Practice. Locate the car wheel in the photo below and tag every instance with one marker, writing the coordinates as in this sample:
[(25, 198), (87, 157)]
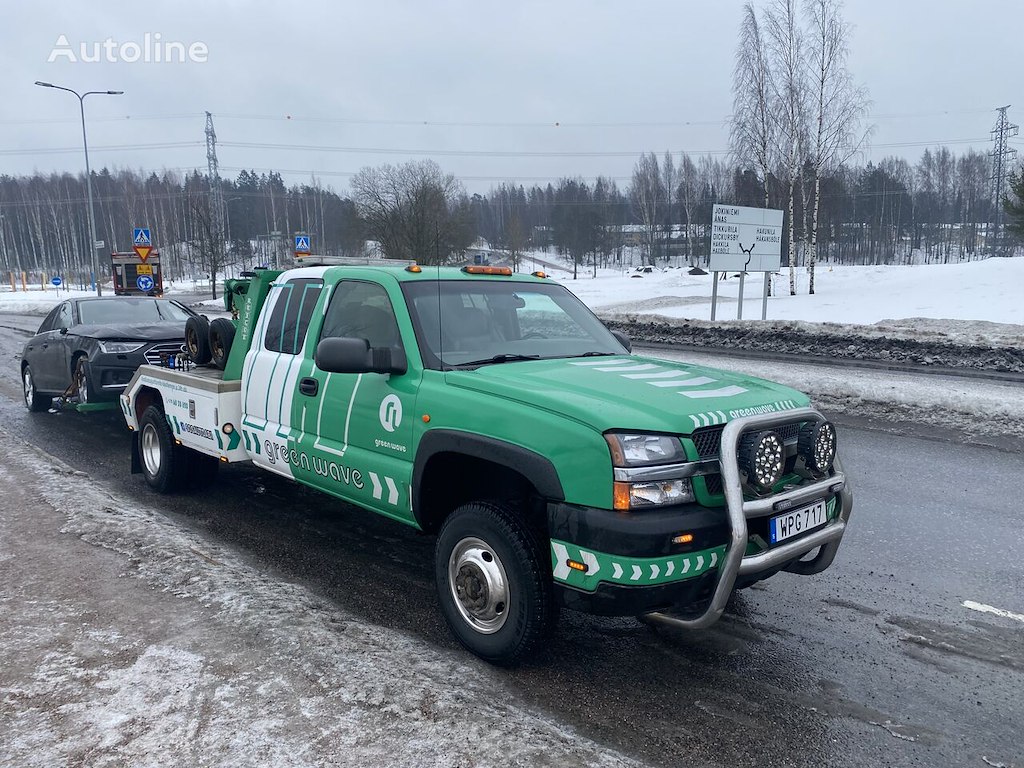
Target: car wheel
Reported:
[(494, 582), (34, 401), (164, 464), (83, 379), (197, 339), (222, 333)]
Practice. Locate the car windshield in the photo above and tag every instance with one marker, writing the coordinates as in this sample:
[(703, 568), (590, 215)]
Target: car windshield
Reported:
[(467, 323), (131, 311)]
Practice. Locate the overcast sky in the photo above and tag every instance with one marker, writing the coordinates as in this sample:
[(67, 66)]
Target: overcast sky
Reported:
[(591, 83)]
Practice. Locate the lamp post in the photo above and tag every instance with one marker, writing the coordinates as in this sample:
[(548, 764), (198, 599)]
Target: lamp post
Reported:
[(88, 172)]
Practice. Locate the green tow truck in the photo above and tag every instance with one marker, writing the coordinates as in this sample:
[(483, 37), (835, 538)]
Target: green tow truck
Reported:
[(496, 412)]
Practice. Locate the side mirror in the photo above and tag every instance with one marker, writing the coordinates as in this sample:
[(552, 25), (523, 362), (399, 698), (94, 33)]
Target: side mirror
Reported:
[(63, 331), (623, 339), (348, 354)]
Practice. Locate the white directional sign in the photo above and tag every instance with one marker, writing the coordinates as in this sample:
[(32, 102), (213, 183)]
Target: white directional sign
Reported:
[(748, 239)]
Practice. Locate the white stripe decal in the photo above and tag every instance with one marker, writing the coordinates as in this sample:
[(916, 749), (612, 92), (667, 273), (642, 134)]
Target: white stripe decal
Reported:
[(699, 381), (591, 560), (620, 368), (677, 382), (655, 570), (671, 567), (696, 421), (722, 416), (723, 392), (616, 570), (658, 375), (705, 420), (602, 362), (637, 573)]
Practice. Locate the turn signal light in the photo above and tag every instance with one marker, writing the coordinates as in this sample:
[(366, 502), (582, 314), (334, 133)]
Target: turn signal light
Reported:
[(539, 274), (414, 268), (683, 538), (576, 565), (620, 496)]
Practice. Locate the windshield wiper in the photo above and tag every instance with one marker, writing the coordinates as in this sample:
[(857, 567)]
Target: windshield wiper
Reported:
[(503, 358), (596, 354)]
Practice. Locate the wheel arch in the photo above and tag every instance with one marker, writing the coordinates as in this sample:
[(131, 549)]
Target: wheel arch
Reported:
[(453, 467)]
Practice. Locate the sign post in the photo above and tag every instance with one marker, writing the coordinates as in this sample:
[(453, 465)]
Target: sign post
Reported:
[(745, 240)]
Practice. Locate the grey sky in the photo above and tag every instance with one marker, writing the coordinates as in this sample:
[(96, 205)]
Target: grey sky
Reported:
[(621, 77)]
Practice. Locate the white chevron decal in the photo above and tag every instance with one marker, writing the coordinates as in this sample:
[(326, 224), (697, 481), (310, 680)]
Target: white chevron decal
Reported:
[(591, 560), (686, 565), (392, 491), (378, 489), (700, 562), (714, 559), (637, 573), (659, 375), (616, 571), (654, 571), (723, 392), (671, 567), (562, 568)]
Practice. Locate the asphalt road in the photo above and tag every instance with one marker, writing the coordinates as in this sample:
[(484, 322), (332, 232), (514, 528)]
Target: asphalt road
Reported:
[(875, 662)]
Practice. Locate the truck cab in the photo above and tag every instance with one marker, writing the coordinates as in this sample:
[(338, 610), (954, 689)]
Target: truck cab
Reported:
[(495, 411)]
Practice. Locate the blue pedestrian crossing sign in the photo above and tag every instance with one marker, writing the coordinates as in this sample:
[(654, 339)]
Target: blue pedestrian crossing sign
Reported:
[(302, 244), (141, 236), (145, 283)]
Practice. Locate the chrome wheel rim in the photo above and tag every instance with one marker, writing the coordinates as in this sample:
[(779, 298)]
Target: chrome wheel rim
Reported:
[(479, 585), (29, 387), (83, 385), (151, 450)]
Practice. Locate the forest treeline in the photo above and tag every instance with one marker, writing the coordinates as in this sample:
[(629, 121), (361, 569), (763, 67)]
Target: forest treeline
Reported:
[(877, 213)]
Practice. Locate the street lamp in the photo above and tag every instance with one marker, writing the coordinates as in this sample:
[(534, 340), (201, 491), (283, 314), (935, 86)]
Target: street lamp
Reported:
[(88, 172)]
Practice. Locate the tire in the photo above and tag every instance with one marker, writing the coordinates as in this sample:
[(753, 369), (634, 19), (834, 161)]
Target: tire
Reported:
[(34, 401), (197, 339), (202, 469), (164, 463), (494, 583), (82, 375), (222, 333)]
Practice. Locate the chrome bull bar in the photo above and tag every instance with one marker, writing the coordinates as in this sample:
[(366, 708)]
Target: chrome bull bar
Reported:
[(735, 563)]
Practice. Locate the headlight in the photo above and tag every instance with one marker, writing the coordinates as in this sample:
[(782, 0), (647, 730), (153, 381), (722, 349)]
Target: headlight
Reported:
[(120, 347), (817, 445), (644, 450), (653, 493), (763, 457)]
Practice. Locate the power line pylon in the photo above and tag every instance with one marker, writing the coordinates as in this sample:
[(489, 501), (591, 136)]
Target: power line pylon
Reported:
[(216, 193), (1002, 155)]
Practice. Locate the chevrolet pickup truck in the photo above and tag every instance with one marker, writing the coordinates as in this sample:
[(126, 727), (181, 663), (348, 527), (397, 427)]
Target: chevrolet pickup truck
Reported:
[(494, 411)]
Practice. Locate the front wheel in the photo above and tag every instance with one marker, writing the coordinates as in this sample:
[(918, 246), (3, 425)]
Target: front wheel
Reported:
[(164, 464), (494, 583)]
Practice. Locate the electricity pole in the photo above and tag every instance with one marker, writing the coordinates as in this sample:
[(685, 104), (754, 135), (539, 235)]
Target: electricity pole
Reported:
[(1002, 155)]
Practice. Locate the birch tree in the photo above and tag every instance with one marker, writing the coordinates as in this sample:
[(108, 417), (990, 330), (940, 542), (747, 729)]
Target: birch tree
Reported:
[(839, 105), (648, 198)]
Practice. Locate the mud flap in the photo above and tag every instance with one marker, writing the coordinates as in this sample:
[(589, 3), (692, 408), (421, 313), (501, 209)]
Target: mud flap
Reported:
[(136, 460)]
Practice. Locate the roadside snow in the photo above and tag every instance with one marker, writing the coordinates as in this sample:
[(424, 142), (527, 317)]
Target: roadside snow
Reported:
[(293, 679)]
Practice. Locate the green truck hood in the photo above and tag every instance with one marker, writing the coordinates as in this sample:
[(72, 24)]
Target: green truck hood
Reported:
[(628, 392)]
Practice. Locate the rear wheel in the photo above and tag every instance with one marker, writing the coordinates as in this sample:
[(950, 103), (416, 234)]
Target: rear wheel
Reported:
[(34, 401), (494, 582), (222, 333), (197, 339), (164, 464)]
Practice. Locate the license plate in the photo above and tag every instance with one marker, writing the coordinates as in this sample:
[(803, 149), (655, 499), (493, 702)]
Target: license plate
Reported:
[(144, 269), (797, 522)]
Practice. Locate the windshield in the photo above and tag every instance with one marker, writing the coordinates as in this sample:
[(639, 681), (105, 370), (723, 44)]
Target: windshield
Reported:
[(131, 311), (465, 322)]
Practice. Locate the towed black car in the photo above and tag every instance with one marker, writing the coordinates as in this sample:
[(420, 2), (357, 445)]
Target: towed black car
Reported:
[(98, 343)]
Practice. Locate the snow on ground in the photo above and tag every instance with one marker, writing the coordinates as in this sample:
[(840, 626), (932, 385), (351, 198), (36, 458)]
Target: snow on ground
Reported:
[(194, 656), (917, 298)]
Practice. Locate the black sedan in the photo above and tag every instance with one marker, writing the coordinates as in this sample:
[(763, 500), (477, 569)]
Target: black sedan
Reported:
[(97, 343)]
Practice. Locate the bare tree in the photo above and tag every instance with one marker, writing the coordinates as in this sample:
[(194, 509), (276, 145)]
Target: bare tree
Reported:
[(785, 44), (754, 124), (648, 198), (688, 192), (415, 211)]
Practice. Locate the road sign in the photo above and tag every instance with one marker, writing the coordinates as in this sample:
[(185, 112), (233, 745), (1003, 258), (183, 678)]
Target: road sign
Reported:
[(141, 236), (748, 239), (56, 281), (301, 244), (145, 283), (142, 251)]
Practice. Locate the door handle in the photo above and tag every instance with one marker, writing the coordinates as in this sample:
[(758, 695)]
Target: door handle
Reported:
[(309, 386)]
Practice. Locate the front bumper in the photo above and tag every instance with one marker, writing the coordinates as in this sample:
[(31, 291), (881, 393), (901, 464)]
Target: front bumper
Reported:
[(648, 572)]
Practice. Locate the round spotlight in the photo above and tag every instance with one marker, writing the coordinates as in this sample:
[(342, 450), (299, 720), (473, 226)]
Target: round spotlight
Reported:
[(763, 457), (817, 445)]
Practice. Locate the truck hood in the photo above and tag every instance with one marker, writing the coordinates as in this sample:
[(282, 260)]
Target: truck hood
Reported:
[(629, 392)]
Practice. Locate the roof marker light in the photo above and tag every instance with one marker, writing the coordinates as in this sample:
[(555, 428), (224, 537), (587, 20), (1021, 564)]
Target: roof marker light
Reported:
[(506, 271)]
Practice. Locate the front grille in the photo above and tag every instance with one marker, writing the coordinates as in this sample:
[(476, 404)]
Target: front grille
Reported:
[(714, 484), (154, 353), (708, 440)]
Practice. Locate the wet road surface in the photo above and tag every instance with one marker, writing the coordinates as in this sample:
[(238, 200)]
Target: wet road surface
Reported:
[(877, 661)]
